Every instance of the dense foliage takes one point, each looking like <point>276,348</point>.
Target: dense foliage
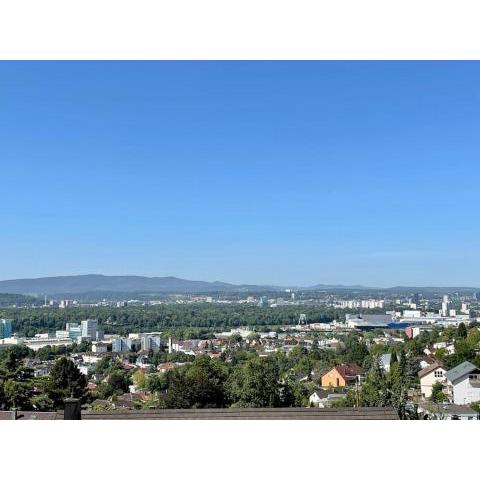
<point>10,299</point>
<point>19,389</point>
<point>185,320</point>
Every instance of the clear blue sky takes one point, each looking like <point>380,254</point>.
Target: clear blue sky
<point>262,172</point>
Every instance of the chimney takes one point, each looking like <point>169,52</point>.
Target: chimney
<point>73,409</point>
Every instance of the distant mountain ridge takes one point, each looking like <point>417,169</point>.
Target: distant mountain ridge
<point>118,283</point>
<point>133,283</point>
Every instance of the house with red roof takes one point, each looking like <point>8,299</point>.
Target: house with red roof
<point>342,375</point>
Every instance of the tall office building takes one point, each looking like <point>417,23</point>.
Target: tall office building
<point>74,331</point>
<point>89,328</point>
<point>5,328</point>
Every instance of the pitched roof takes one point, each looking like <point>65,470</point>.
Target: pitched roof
<point>460,370</point>
<point>349,370</point>
<point>426,358</point>
<point>429,368</point>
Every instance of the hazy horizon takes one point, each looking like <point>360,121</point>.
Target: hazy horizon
<point>273,173</point>
<point>287,285</point>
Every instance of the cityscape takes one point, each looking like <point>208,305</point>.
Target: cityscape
<point>392,353</point>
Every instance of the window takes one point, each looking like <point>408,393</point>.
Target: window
<point>473,377</point>
<point>438,374</point>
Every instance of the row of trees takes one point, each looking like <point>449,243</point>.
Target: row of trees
<point>182,320</point>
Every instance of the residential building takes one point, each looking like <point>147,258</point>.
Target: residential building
<point>448,411</point>
<point>464,383</point>
<point>342,375</point>
<point>119,345</point>
<point>323,399</point>
<point>150,341</point>
<point>99,347</point>
<point>431,374</point>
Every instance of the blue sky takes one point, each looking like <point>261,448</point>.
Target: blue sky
<point>290,173</point>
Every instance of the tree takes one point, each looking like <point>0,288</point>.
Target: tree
<point>18,352</point>
<point>178,392</point>
<point>473,338</point>
<point>355,350</point>
<point>394,358</point>
<point>235,340</point>
<point>139,379</point>
<point>17,394</point>
<point>375,391</point>
<point>198,385</point>
<point>293,393</point>
<point>116,383</point>
<point>462,331</point>
<point>410,372</point>
<point>65,380</point>
<point>206,378</point>
<point>315,352</point>
<point>256,384</point>
<point>398,387</point>
<point>438,395</point>
<point>16,380</point>
<point>155,383</point>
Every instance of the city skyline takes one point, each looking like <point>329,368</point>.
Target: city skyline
<point>272,173</point>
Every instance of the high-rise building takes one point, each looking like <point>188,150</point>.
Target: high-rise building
<point>74,331</point>
<point>150,342</point>
<point>65,303</point>
<point>445,303</point>
<point>89,328</point>
<point>263,302</point>
<point>5,328</point>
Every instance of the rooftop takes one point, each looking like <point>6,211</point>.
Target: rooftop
<point>366,413</point>
<point>460,370</point>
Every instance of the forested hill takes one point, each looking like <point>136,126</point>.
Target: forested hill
<point>10,299</point>
<point>128,283</point>
<point>82,284</point>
